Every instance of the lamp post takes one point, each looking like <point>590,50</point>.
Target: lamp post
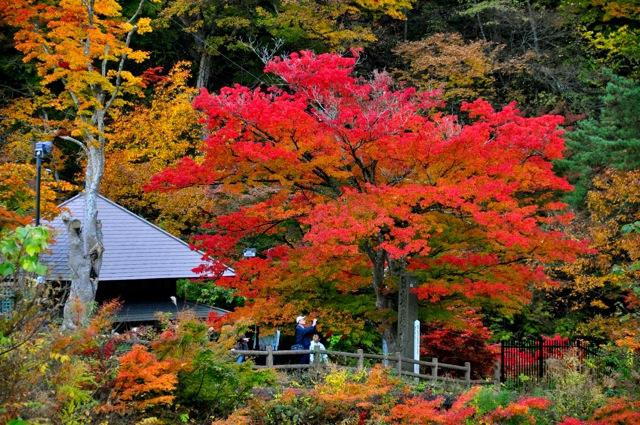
<point>42,149</point>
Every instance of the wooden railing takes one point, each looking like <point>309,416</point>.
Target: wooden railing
<point>360,356</point>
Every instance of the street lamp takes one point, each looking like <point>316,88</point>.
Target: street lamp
<point>42,150</point>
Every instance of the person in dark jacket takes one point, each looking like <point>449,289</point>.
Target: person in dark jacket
<point>304,334</point>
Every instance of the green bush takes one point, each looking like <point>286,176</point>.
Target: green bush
<point>208,293</point>
<point>216,386</point>
<point>573,388</point>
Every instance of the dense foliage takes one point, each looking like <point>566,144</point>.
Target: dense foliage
<point>483,156</point>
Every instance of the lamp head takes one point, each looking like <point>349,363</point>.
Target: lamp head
<point>43,148</point>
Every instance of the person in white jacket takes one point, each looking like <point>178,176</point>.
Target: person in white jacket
<point>315,343</point>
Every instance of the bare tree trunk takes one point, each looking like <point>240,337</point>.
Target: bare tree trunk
<point>85,241</point>
<point>204,70</point>
<point>534,30</point>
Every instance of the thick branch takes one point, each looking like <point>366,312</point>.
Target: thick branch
<point>75,141</point>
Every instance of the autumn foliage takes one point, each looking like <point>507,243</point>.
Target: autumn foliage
<point>361,183</point>
<point>143,380</point>
<point>420,411</point>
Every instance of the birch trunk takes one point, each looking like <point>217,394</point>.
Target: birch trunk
<point>85,241</point>
<point>204,70</point>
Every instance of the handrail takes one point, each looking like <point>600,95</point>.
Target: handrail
<point>397,358</point>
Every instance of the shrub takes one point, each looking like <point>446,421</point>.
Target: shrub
<point>455,345</point>
<point>143,381</point>
<point>208,293</point>
<point>216,386</point>
<point>475,406</point>
<point>573,389</point>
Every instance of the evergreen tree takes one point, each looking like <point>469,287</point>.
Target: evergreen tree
<point>610,141</point>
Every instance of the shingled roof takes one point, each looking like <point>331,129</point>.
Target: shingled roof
<point>135,249</point>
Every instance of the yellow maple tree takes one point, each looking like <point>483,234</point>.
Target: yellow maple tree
<point>136,151</point>
<point>79,50</point>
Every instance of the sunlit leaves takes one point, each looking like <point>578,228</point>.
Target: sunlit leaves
<point>20,248</point>
<point>358,176</point>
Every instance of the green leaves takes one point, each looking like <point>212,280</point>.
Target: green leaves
<point>20,249</point>
<point>631,227</point>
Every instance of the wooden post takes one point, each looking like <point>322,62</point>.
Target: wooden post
<point>399,356</point>
<point>467,373</point>
<point>316,357</point>
<point>269,356</point>
<point>497,373</point>
<point>434,369</point>
<point>360,360</point>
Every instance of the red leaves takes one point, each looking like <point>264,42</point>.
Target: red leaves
<point>363,172</point>
<point>419,411</point>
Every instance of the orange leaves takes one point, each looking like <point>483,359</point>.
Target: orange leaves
<point>418,411</point>
<point>143,381</point>
<point>17,195</point>
<point>80,46</point>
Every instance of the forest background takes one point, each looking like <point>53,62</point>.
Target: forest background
<point>576,59</point>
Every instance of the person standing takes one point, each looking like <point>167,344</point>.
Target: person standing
<point>316,344</point>
<point>303,336</point>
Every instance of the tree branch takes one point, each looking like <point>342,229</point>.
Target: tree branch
<point>76,142</point>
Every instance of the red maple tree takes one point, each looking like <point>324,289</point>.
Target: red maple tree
<point>355,185</point>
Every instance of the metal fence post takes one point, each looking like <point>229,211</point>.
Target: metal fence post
<point>360,360</point>
<point>540,358</point>
<point>434,369</point>
<point>502,361</point>
<point>269,356</point>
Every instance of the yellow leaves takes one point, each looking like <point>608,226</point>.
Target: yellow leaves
<point>62,358</point>
<point>138,56</point>
<point>446,59</point>
<point>144,25</point>
<point>126,26</point>
<point>110,8</point>
<point>150,138</point>
<point>393,8</point>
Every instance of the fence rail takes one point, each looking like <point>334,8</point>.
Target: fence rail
<point>360,356</point>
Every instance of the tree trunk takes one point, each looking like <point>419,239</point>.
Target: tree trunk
<point>407,310</point>
<point>85,242</point>
<point>204,70</point>
<point>534,30</point>
<point>383,302</point>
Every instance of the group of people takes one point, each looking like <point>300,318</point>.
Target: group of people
<point>307,338</point>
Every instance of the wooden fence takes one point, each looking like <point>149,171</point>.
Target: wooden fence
<point>397,359</point>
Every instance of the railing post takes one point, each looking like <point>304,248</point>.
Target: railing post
<point>316,357</point>
<point>399,357</point>
<point>269,356</point>
<point>467,373</point>
<point>360,360</point>
<point>434,369</point>
<point>497,374</point>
